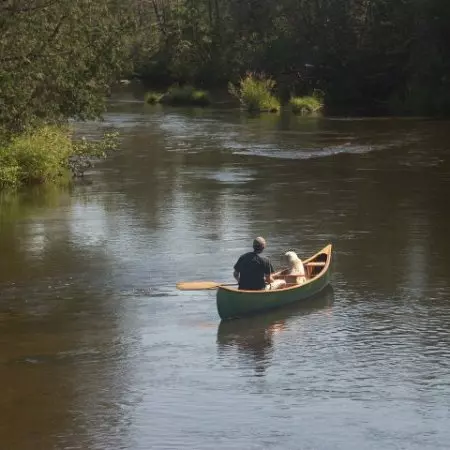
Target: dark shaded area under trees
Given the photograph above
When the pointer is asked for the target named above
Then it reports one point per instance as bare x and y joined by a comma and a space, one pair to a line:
367, 56
59, 58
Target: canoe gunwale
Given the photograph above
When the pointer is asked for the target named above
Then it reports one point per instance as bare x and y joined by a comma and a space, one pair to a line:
326, 250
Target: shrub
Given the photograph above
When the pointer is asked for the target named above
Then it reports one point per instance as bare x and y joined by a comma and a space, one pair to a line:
255, 93
200, 98
153, 97
44, 155
96, 149
35, 157
9, 169
306, 105
186, 95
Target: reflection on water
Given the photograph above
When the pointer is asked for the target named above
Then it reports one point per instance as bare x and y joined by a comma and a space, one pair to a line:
98, 350
253, 337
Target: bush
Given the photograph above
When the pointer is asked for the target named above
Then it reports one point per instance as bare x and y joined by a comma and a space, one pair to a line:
186, 95
306, 105
9, 170
35, 157
255, 93
47, 153
95, 149
153, 97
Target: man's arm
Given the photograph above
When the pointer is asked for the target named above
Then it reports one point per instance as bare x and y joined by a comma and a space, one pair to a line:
269, 273
270, 278
237, 268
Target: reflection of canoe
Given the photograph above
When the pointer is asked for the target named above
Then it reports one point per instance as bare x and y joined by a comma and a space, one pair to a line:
270, 320
252, 336
234, 303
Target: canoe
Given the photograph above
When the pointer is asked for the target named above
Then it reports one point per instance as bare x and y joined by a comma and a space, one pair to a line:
234, 303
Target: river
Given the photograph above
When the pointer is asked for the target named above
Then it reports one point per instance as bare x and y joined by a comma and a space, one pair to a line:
99, 351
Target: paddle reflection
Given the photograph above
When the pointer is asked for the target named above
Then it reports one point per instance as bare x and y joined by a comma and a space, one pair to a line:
252, 337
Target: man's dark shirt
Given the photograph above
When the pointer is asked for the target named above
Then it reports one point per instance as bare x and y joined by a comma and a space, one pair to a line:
252, 268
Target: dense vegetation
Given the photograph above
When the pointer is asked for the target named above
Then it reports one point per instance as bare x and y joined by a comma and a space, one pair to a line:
307, 104
59, 58
365, 55
48, 153
255, 93
57, 61
179, 95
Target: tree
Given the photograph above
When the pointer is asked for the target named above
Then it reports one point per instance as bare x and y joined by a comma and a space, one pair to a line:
58, 58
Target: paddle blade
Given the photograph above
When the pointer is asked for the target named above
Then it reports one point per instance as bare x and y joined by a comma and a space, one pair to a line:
197, 285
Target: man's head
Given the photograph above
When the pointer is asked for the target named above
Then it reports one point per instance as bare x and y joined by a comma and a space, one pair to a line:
259, 244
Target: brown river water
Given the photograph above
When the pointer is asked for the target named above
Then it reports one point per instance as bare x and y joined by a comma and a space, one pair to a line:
99, 351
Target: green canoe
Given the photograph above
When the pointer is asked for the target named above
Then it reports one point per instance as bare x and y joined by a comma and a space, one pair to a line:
234, 303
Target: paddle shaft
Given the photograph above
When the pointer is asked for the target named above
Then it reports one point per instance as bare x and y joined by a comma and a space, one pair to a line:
200, 285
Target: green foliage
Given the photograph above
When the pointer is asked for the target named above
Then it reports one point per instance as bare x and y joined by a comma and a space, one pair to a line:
255, 93
45, 154
186, 95
9, 169
35, 157
96, 148
58, 59
366, 56
306, 105
200, 97
152, 97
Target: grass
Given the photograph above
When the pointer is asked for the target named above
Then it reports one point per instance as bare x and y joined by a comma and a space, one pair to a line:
152, 97
44, 155
255, 93
186, 96
35, 157
306, 105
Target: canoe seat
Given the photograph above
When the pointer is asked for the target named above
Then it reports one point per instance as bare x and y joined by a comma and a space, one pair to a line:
316, 264
313, 268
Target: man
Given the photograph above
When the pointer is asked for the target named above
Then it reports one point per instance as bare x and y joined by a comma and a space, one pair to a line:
252, 270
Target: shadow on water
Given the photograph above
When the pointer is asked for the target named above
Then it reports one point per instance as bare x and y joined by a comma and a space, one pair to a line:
252, 337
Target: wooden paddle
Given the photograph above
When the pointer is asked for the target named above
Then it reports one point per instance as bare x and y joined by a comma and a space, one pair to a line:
206, 285
200, 285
